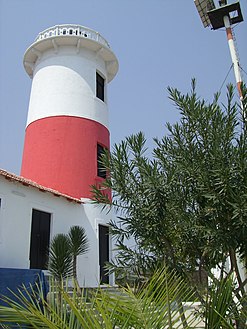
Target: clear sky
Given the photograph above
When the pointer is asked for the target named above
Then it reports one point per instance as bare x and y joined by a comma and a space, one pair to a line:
158, 43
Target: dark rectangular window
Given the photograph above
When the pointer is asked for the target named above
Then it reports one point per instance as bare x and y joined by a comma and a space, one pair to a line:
100, 87
101, 171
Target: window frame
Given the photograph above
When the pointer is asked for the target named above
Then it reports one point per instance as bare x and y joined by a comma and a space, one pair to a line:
101, 172
100, 86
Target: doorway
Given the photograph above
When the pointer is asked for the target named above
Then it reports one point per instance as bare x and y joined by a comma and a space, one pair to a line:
40, 239
103, 252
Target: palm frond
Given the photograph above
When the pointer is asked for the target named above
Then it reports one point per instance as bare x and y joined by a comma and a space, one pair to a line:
78, 240
60, 258
154, 306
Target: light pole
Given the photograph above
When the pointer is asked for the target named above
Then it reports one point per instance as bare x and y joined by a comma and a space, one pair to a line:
224, 16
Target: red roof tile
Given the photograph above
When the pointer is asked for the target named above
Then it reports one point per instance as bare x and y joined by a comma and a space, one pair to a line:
28, 182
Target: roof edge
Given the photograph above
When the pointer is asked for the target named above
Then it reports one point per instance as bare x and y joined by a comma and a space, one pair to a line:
27, 182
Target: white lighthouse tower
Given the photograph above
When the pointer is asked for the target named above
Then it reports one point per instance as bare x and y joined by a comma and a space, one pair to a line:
66, 133
67, 125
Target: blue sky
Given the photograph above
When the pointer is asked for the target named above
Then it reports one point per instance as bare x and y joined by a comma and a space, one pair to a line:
158, 43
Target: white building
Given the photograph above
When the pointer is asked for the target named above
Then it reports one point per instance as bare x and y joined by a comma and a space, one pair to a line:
67, 130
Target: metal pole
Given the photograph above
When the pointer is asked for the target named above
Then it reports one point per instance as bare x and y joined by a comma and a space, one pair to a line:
239, 80
234, 57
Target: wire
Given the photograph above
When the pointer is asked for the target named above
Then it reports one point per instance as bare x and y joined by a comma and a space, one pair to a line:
226, 77
242, 69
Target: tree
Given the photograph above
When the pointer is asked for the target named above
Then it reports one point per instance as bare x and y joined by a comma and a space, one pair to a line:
60, 257
60, 262
78, 246
63, 253
187, 206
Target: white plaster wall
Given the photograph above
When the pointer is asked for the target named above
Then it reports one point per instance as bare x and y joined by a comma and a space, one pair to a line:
64, 83
17, 202
95, 217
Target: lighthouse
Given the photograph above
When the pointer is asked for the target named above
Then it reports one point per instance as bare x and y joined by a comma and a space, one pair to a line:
66, 133
67, 126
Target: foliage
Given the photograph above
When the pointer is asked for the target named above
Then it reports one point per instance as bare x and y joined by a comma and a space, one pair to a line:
60, 257
63, 253
154, 306
186, 206
78, 244
220, 307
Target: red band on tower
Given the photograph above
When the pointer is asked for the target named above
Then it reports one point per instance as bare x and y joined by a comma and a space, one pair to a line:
61, 153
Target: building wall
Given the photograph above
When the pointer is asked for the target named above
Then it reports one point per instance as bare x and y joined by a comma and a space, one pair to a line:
17, 202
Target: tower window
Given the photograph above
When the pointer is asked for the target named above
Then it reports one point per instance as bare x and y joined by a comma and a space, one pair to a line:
100, 87
101, 171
